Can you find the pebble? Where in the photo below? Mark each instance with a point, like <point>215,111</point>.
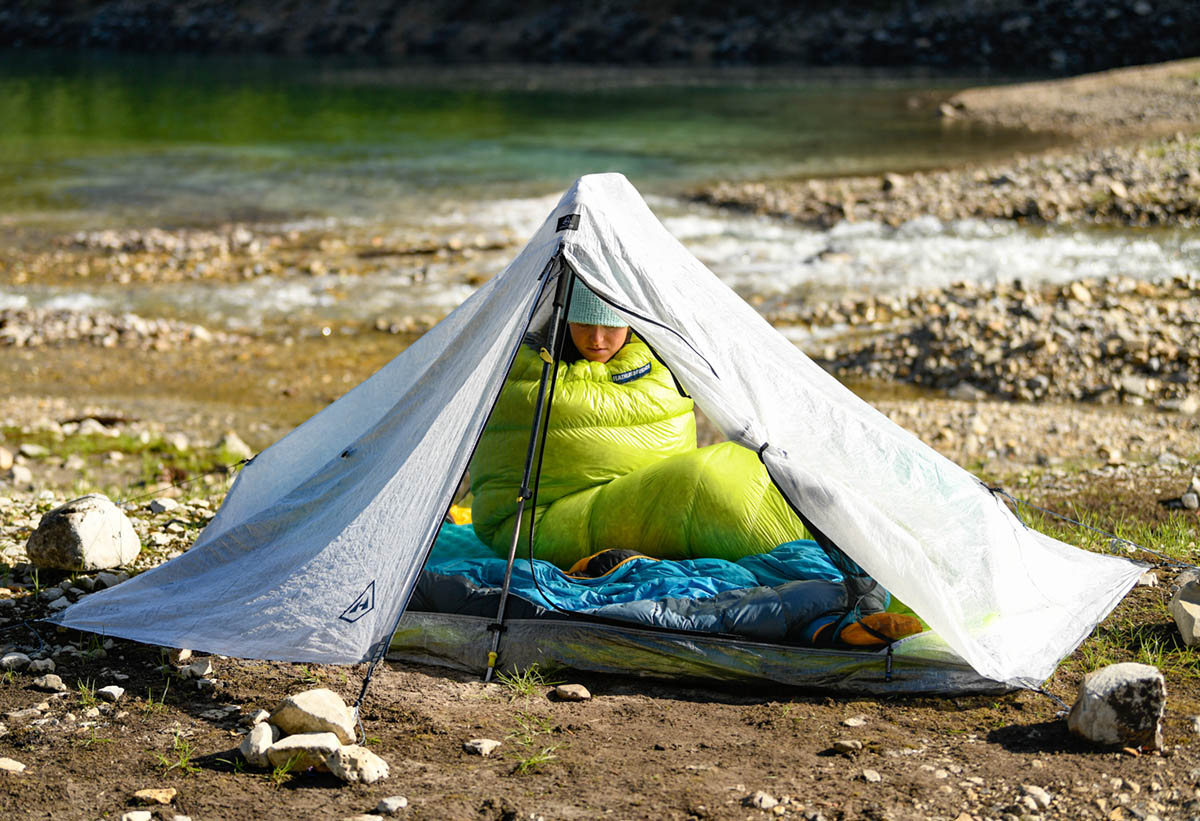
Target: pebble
<point>481,746</point>
<point>391,805</point>
<point>40,328</point>
<point>572,692</point>
<point>14,661</point>
<point>761,800</point>
<point>847,746</point>
<point>112,693</point>
<point>156,795</point>
<point>9,765</point>
<point>1039,795</point>
<point>871,776</point>
<point>49,683</point>
<point>856,721</point>
<point>41,666</point>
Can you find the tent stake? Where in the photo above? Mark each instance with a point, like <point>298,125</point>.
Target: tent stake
<point>565,278</point>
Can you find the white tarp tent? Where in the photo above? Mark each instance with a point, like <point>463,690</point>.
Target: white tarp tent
<point>315,551</point>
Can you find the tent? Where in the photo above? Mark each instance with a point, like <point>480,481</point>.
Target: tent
<point>314,554</point>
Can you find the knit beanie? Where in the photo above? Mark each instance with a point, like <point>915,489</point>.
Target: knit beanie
<point>587,309</point>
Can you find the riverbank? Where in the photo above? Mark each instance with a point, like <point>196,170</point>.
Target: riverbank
<point>1121,172</point>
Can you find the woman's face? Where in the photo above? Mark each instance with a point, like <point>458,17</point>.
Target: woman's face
<point>597,343</point>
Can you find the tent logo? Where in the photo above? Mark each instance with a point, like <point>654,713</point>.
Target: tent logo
<point>363,605</point>
<point>568,223</point>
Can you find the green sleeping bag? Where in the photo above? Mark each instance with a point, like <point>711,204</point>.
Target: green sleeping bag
<point>621,469</point>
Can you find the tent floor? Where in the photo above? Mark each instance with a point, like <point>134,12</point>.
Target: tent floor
<point>462,643</point>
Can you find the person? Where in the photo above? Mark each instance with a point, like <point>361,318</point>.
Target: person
<point>621,469</point>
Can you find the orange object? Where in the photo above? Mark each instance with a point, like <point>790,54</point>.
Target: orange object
<point>460,515</point>
<point>892,625</point>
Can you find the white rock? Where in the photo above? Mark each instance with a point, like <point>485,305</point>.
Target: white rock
<point>50,683</point>
<point>1121,705</point>
<point>315,711</point>
<point>761,800</point>
<point>1185,609</point>
<point>391,805</point>
<point>8,765</point>
<point>180,655</point>
<point>572,692</point>
<point>481,746</point>
<point>41,666</point>
<point>1040,796</point>
<point>163,505</point>
<point>871,776</point>
<point>32,451</point>
<point>111,693</point>
<point>14,661</point>
<point>138,815</point>
<point>89,533</point>
<point>256,743</point>
<point>366,816</point>
<point>357,765</point>
<point>6,459</point>
<point>20,476</point>
<point>200,668</point>
<point>1148,579</point>
<point>233,446</point>
<point>856,721</point>
<point>312,748</point>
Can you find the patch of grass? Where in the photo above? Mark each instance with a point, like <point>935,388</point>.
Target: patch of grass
<point>180,757</point>
<point>280,773</point>
<point>309,676</point>
<point>527,683</point>
<point>237,764</point>
<point>152,706</point>
<point>94,739</point>
<point>529,727</point>
<point>1175,537</point>
<point>87,693</point>
<point>535,760</point>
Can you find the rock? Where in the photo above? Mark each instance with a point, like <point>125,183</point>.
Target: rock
<point>391,805</point>
<point>357,765</point>
<point>481,746</point>
<point>1190,500</point>
<point>1185,609</point>
<point>138,815</point>
<point>206,685</point>
<point>103,581</point>
<point>6,460</point>
<point>14,661</point>
<point>256,743</point>
<point>966,392</point>
<point>1121,705</point>
<point>163,505</point>
<point>572,692</point>
<point>232,446</point>
<point>20,476</point>
<point>1040,797</point>
<point>761,800</point>
<point>200,668</point>
<point>255,718</point>
<point>156,795</point>
<point>856,721</point>
<point>309,750</point>
<point>8,765</point>
<point>112,693</point>
<point>871,776</point>
<point>49,683</point>
<point>847,746</point>
<point>41,666</point>
<point>32,451</point>
<point>89,533</point>
<point>179,655</point>
<point>315,711</point>
<point>366,816</point>
<point>1148,579</point>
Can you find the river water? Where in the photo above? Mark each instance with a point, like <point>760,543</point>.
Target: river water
<point>92,142</point>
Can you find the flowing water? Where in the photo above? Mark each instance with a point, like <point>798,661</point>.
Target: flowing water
<point>94,141</point>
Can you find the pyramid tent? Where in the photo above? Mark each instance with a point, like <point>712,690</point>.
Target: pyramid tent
<point>315,552</point>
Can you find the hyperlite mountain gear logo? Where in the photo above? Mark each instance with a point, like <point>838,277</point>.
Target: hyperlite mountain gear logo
<point>629,376</point>
<point>568,223</point>
<point>363,605</point>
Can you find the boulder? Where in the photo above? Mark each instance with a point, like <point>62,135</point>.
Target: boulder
<point>481,746</point>
<point>14,661</point>
<point>231,446</point>
<point>1185,609</point>
<point>89,533</point>
<point>572,692</point>
<point>256,743</point>
<point>315,711</point>
<point>1121,705</point>
<point>308,749</point>
<point>357,765</point>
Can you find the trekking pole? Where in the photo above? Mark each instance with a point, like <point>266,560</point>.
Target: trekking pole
<point>566,279</point>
